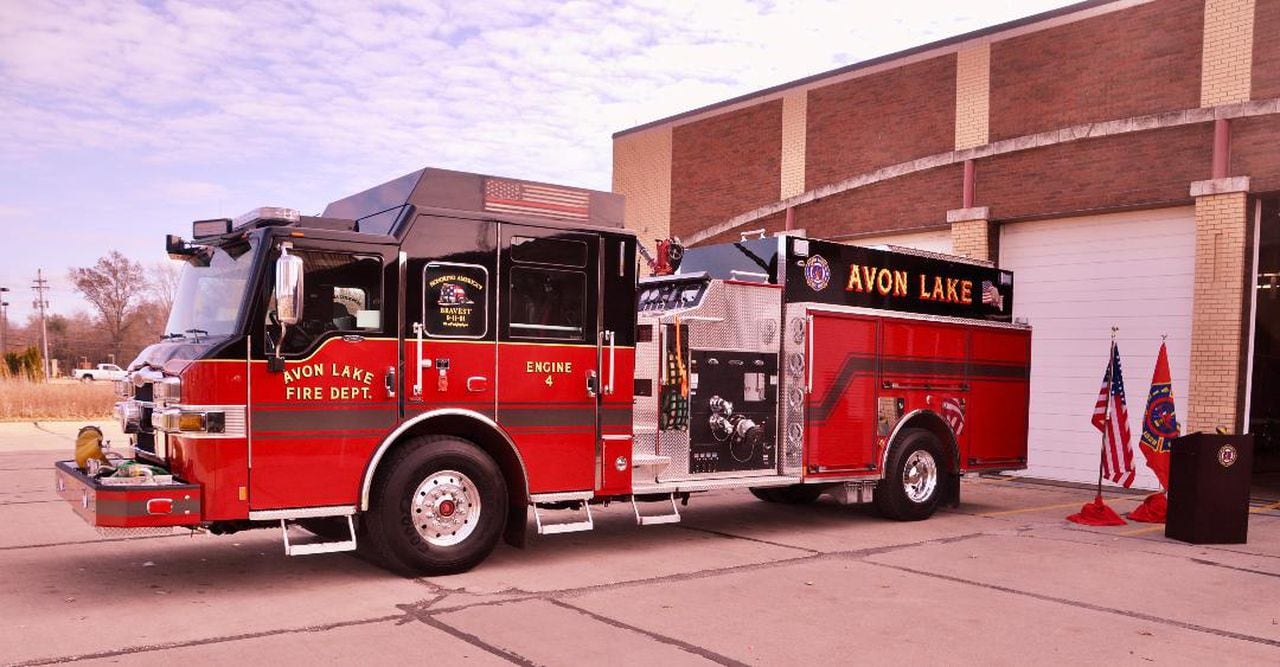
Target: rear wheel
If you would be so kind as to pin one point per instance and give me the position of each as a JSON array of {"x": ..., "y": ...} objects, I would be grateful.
[
  {"x": 914, "y": 477},
  {"x": 439, "y": 508},
  {"x": 796, "y": 494}
]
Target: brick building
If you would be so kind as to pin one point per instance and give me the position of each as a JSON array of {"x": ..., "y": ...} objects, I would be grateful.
[{"x": 1122, "y": 157}]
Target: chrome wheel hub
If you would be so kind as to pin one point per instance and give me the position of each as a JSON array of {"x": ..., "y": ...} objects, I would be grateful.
[
  {"x": 920, "y": 476},
  {"x": 446, "y": 507}
]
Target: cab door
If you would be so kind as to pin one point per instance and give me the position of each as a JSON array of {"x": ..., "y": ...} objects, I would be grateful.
[
  {"x": 549, "y": 357},
  {"x": 315, "y": 422}
]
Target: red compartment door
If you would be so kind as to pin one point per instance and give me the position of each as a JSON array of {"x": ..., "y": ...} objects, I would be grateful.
[{"x": 843, "y": 375}]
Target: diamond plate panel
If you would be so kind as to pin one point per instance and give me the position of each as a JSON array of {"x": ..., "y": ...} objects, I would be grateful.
[{"x": 792, "y": 392}]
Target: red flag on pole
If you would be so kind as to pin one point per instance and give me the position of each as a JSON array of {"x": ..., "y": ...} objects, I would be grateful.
[
  {"x": 1159, "y": 427},
  {"x": 1160, "y": 423}
]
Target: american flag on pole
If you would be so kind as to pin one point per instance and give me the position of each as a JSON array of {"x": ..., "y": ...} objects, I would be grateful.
[
  {"x": 548, "y": 201},
  {"x": 1111, "y": 416}
]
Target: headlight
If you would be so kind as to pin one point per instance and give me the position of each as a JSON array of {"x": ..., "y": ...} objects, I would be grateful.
[
  {"x": 130, "y": 415},
  {"x": 168, "y": 390},
  {"x": 175, "y": 420}
]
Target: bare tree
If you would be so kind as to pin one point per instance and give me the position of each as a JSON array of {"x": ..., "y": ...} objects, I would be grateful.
[
  {"x": 164, "y": 283},
  {"x": 114, "y": 287}
]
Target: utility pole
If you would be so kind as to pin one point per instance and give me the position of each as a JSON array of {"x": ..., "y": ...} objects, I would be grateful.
[
  {"x": 41, "y": 286},
  {"x": 4, "y": 323}
]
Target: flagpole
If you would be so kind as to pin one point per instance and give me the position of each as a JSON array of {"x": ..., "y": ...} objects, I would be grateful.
[{"x": 1106, "y": 415}]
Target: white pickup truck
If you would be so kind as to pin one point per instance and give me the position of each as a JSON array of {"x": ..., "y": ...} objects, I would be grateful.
[{"x": 99, "y": 372}]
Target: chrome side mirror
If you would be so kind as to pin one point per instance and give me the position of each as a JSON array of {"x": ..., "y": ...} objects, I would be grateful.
[{"x": 288, "y": 287}]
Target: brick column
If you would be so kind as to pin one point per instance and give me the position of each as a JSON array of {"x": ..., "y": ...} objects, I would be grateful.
[
  {"x": 642, "y": 172},
  {"x": 1218, "y": 312},
  {"x": 973, "y": 95},
  {"x": 795, "y": 122},
  {"x": 1227, "y": 56},
  {"x": 971, "y": 233}
]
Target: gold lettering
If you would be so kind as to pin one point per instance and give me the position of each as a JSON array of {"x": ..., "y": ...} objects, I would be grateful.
[
  {"x": 952, "y": 297},
  {"x": 855, "y": 283},
  {"x": 924, "y": 293},
  {"x": 937, "y": 294},
  {"x": 868, "y": 278},
  {"x": 899, "y": 283},
  {"x": 884, "y": 282},
  {"x": 966, "y": 291}
]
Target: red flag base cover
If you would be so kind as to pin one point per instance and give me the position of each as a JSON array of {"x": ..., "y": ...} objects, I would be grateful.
[
  {"x": 1097, "y": 513},
  {"x": 1152, "y": 510}
]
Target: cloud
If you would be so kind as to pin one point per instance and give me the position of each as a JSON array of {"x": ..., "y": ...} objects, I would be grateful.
[{"x": 299, "y": 103}]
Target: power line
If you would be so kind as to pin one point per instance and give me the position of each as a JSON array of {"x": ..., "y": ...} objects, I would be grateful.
[{"x": 40, "y": 286}]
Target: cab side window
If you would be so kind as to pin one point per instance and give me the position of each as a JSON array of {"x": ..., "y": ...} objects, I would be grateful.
[
  {"x": 548, "y": 288},
  {"x": 342, "y": 293}
]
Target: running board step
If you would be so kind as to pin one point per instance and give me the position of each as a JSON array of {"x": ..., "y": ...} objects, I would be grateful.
[
  {"x": 319, "y": 546},
  {"x": 655, "y": 519},
  {"x": 545, "y": 528}
]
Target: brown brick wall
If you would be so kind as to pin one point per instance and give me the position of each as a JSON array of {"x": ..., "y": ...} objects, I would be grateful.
[
  {"x": 917, "y": 200},
  {"x": 1255, "y": 152},
  {"x": 1266, "y": 50},
  {"x": 1136, "y": 61},
  {"x": 881, "y": 119},
  {"x": 725, "y": 165},
  {"x": 1145, "y": 168}
]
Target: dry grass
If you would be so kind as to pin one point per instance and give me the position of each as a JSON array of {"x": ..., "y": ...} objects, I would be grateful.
[{"x": 23, "y": 401}]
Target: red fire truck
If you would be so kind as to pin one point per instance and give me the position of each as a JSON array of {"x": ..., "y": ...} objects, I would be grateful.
[{"x": 418, "y": 369}]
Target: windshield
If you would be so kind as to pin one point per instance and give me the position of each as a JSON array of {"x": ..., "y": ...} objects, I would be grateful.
[{"x": 211, "y": 291}]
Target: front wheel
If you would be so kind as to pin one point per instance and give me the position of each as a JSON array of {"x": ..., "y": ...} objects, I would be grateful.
[
  {"x": 914, "y": 477},
  {"x": 439, "y": 508}
]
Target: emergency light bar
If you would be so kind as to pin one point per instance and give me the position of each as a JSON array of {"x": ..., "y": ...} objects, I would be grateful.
[
  {"x": 267, "y": 214},
  {"x": 205, "y": 228}
]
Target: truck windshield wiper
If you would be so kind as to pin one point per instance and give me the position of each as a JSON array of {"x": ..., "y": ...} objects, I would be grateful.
[
  {"x": 171, "y": 336},
  {"x": 195, "y": 333}
]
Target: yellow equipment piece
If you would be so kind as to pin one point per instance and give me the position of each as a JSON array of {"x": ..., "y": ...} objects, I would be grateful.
[{"x": 89, "y": 446}]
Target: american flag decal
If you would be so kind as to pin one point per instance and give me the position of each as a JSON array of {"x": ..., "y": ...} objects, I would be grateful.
[
  {"x": 991, "y": 295},
  {"x": 547, "y": 201}
]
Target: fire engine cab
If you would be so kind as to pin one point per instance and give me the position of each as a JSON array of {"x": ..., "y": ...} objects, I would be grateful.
[{"x": 418, "y": 369}]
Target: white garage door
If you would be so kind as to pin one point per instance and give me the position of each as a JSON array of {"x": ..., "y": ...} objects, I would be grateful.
[
  {"x": 933, "y": 241},
  {"x": 1073, "y": 280}
]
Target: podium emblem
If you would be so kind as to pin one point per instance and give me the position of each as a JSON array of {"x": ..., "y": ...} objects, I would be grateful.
[{"x": 1227, "y": 455}]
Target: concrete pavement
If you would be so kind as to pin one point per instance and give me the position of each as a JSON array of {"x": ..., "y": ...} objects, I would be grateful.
[{"x": 1002, "y": 580}]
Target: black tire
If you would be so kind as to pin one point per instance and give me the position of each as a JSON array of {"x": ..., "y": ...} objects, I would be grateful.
[
  {"x": 407, "y": 528},
  {"x": 914, "y": 478},
  {"x": 86, "y": 378},
  {"x": 796, "y": 494}
]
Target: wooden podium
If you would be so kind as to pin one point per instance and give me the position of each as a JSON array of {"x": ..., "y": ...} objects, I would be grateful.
[{"x": 1209, "y": 479}]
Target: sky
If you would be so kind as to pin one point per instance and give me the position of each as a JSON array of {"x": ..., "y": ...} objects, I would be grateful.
[{"x": 121, "y": 121}]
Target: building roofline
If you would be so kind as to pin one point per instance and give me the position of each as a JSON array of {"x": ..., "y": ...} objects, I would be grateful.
[{"x": 879, "y": 60}]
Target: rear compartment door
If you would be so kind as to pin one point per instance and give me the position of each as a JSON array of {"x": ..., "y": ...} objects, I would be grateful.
[{"x": 1000, "y": 374}]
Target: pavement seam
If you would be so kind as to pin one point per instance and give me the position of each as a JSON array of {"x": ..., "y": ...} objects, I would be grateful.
[
  {"x": 1086, "y": 605},
  {"x": 148, "y": 648},
  {"x": 509, "y": 656},
  {"x": 748, "y": 539},
  {"x": 661, "y": 638},
  {"x": 1237, "y": 568}
]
